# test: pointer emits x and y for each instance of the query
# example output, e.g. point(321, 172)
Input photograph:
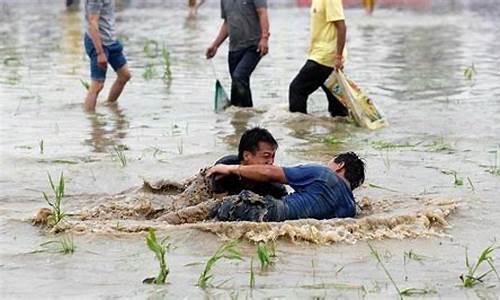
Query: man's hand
point(221, 169)
point(263, 47)
point(211, 51)
point(339, 62)
point(102, 61)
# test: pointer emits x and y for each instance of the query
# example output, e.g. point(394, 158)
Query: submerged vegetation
point(121, 156)
point(266, 254)
point(57, 214)
point(401, 292)
point(65, 244)
point(229, 251)
point(167, 72)
point(494, 169)
point(160, 250)
point(470, 72)
point(473, 275)
point(458, 181)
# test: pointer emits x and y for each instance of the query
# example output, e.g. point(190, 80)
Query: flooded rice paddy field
point(432, 176)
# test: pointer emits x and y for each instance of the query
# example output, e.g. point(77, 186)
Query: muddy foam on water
point(172, 206)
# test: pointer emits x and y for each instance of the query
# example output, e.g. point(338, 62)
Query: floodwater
point(410, 60)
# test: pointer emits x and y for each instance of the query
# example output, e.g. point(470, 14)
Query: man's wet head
point(257, 147)
point(349, 166)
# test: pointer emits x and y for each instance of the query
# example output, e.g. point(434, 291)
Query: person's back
point(319, 193)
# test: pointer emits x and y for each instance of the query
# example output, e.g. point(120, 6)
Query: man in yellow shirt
point(326, 53)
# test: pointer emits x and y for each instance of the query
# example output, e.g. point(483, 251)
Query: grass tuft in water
point(265, 255)
point(411, 255)
point(457, 181)
point(252, 275)
point(151, 48)
point(472, 277)
point(85, 84)
point(167, 72)
point(120, 154)
point(160, 250)
point(401, 292)
point(331, 140)
point(149, 72)
point(229, 251)
point(40, 146)
point(379, 145)
point(65, 244)
point(494, 169)
point(57, 213)
point(470, 72)
point(379, 259)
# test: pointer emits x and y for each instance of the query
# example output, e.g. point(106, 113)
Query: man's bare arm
point(221, 37)
point(263, 173)
point(263, 47)
point(96, 39)
point(341, 37)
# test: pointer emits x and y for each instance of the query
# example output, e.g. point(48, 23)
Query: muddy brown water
point(411, 62)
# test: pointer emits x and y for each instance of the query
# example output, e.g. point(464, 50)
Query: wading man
point(320, 192)
point(247, 25)
point(103, 48)
point(326, 52)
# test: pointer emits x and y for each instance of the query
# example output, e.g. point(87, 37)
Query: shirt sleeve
point(334, 11)
point(260, 3)
point(94, 6)
point(301, 176)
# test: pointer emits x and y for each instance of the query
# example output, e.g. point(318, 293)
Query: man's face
point(263, 156)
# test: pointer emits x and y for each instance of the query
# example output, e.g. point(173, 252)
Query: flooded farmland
point(433, 175)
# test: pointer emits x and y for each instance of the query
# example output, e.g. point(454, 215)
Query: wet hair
point(354, 168)
point(252, 137)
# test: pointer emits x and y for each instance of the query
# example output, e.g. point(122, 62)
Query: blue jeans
point(114, 55)
point(241, 65)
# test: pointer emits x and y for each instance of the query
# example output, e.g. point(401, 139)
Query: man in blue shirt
point(320, 192)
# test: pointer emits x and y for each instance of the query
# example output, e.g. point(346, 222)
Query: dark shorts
point(114, 54)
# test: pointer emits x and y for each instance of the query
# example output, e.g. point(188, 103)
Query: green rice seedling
point(379, 145)
point(440, 146)
point(57, 214)
point(229, 251)
point(264, 255)
point(151, 48)
point(380, 187)
point(386, 159)
point(416, 291)
point(40, 146)
point(149, 72)
point(457, 181)
point(471, 184)
point(379, 259)
point(167, 72)
point(180, 147)
point(65, 244)
point(411, 255)
point(85, 84)
point(160, 250)
point(338, 270)
point(120, 154)
point(470, 72)
point(472, 278)
point(494, 169)
point(331, 140)
point(252, 275)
